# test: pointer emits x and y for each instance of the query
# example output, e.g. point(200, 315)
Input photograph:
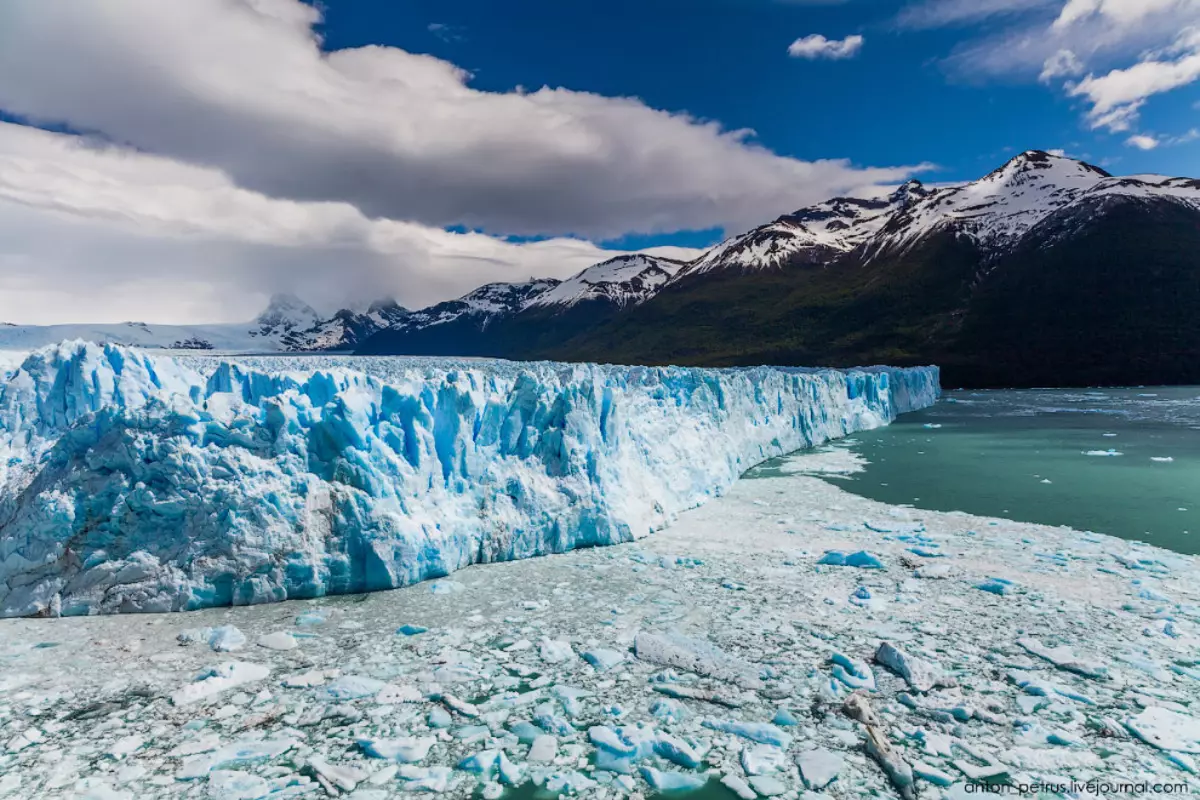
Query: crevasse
point(131, 482)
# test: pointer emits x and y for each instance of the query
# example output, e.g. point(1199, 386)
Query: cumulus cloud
point(100, 233)
point(244, 86)
point(817, 46)
point(1142, 141)
point(1118, 96)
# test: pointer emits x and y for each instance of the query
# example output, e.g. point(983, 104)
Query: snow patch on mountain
point(811, 235)
point(132, 482)
point(624, 281)
point(482, 305)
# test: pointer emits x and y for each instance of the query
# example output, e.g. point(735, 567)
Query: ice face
point(131, 482)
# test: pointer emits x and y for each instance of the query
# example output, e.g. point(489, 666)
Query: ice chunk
point(693, 655)
point(819, 768)
point(425, 779)
point(352, 687)
point(280, 640)
point(919, 675)
point(410, 630)
point(238, 754)
point(861, 559)
point(761, 732)
point(406, 749)
point(1064, 658)
point(543, 749)
point(603, 660)
point(852, 672)
point(668, 782)
point(763, 759)
point(237, 785)
point(739, 787)
point(226, 639)
point(221, 678)
point(556, 651)
point(1166, 729)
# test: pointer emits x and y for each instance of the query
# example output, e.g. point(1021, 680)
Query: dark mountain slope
point(1117, 302)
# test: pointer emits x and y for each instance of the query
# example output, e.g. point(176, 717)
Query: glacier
point(132, 482)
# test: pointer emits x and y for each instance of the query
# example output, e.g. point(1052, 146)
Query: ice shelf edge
point(132, 482)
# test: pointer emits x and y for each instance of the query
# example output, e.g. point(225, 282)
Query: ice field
point(719, 653)
point(783, 639)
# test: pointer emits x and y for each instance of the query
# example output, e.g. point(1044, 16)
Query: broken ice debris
point(410, 630)
point(603, 660)
point(555, 651)
point(406, 749)
point(997, 586)
point(1064, 658)
point(219, 679)
point(426, 779)
point(852, 672)
point(671, 782)
point(280, 640)
point(861, 559)
point(920, 675)
point(352, 687)
point(694, 655)
point(761, 732)
point(819, 768)
point(1166, 729)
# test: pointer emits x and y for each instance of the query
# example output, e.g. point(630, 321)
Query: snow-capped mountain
point(287, 324)
point(623, 281)
point(811, 235)
point(500, 318)
point(1047, 271)
point(346, 329)
point(480, 306)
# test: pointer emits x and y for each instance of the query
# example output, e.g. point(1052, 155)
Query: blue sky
point(900, 100)
point(181, 161)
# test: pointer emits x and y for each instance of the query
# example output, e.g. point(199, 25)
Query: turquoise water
point(1021, 455)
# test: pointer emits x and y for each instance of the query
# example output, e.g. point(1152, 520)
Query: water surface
point(1041, 456)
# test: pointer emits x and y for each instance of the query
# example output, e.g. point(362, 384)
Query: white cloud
point(1120, 12)
point(1128, 50)
point(942, 13)
point(1063, 64)
point(244, 87)
point(1118, 96)
point(1142, 141)
point(817, 46)
point(101, 233)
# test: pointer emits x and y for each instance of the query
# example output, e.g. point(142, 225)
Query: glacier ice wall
point(131, 482)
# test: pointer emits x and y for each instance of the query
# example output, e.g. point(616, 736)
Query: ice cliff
point(131, 482)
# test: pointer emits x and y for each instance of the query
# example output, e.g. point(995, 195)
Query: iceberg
point(132, 482)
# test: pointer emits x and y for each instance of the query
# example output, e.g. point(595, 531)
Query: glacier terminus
point(132, 482)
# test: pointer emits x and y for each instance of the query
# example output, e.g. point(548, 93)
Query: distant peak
point(385, 304)
point(1042, 160)
point(285, 306)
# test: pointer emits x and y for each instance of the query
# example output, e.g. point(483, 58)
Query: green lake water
point(1024, 455)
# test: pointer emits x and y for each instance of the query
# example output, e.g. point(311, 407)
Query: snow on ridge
point(175, 483)
point(624, 280)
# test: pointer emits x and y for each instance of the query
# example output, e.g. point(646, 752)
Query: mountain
point(811, 236)
point(346, 329)
point(287, 324)
point(508, 320)
point(1046, 271)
